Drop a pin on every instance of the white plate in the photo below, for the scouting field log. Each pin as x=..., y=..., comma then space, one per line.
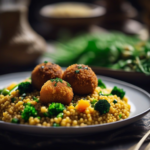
x=138, y=99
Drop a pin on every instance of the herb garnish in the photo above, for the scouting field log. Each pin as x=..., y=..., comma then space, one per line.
x=68, y=84
x=35, y=99
x=79, y=67
x=42, y=67
x=115, y=101
x=77, y=71
x=45, y=62
x=120, y=116
x=13, y=99
x=56, y=80
x=85, y=68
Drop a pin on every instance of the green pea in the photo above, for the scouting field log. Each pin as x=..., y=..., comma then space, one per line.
x=5, y=92
x=60, y=115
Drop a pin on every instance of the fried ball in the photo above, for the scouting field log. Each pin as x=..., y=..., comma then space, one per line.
x=44, y=72
x=56, y=90
x=82, y=79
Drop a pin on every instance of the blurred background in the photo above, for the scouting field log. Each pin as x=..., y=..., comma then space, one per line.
x=111, y=36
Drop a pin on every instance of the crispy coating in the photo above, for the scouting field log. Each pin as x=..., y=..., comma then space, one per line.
x=44, y=72
x=82, y=79
x=56, y=92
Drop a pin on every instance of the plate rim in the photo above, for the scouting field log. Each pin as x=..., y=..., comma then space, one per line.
x=89, y=126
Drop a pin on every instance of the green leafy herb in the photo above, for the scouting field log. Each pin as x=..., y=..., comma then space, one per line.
x=13, y=99
x=35, y=99
x=115, y=101
x=77, y=71
x=86, y=68
x=45, y=62
x=74, y=104
x=39, y=117
x=46, y=114
x=56, y=80
x=79, y=67
x=120, y=116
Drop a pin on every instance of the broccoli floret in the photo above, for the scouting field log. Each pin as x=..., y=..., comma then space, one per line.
x=28, y=111
x=55, y=108
x=102, y=106
x=24, y=87
x=101, y=84
x=60, y=115
x=117, y=91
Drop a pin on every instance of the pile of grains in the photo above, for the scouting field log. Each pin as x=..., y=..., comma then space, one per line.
x=12, y=107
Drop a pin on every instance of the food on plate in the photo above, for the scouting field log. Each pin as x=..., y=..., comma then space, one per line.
x=81, y=78
x=56, y=104
x=67, y=10
x=44, y=72
x=111, y=50
x=56, y=90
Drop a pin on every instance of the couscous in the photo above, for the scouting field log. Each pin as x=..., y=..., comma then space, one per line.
x=23, y=104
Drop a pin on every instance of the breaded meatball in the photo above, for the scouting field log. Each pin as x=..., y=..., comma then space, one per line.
x=44, y=72
x=56, y=90
x=82, y=79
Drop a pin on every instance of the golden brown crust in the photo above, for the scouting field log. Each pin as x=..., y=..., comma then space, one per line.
x=56, y=92
x=82, y=79
x=44, y=72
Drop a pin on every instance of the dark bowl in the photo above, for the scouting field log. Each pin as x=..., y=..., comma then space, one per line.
x=93, y=18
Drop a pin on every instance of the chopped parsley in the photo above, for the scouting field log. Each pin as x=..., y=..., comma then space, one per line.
x=120, y=115
x=56, y=80
x=68, y=84
x=77, y=71
x=46, y=114
x=13, y=99
x=38, y=117
x=85, y=68
x=115, y=101
x=35, y=99
x=74, y=104
x=79, y=67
